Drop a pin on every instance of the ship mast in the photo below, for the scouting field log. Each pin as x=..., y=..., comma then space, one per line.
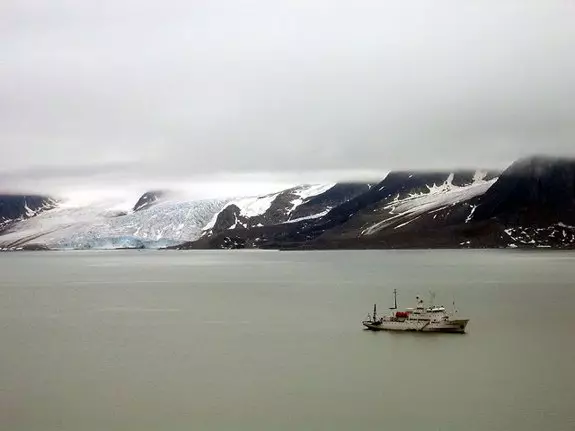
x=394, y=300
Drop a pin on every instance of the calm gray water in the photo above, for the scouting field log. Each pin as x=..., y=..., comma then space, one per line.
x=149, y=340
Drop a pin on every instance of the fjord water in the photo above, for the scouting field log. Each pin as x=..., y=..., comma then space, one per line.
x=148, y=340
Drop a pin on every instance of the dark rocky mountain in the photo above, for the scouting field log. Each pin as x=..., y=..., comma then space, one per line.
x=530, y=204
x=533, y=192
x=148, y=199
x=14, y=207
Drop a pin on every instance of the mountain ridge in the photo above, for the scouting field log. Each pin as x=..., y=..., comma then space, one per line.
x=530, y=204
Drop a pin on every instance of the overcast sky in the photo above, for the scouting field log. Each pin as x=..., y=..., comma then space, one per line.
x=142, y=93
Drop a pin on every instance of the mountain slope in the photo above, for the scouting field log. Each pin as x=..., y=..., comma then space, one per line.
x=534, y=203
x=14, y=208
x=538, y=190
x=403, y=196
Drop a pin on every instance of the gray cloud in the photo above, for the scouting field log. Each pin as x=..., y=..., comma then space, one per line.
x=152, y=92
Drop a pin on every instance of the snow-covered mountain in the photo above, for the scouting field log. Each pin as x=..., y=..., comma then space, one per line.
x=111, y=223
x=530, y=204
x=398, y=200
x=401, y=212
x=305, y=202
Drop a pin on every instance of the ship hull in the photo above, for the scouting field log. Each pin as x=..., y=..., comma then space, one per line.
x=452, y=326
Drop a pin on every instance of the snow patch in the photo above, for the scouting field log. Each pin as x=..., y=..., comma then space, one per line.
x=310, y=217
x=304, y=193
x=252, y=207
x=470, y=216
x=406, y=223
x=479, y=176
x=29, y=212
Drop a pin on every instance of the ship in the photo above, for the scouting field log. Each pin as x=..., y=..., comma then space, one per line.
x=422, y=318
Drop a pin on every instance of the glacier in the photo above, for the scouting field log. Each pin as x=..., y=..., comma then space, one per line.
x=105, y=225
